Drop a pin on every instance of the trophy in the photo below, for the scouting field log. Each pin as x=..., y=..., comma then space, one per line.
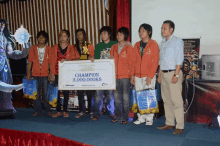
x=85, y=51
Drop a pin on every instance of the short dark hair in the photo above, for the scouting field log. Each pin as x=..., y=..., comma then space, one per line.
x=107, y=29
x=172, y=25
x=148, y=28
x=124, y=31
x=44, y=34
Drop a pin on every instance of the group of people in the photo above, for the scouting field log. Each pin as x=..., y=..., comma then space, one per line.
x=140, y=61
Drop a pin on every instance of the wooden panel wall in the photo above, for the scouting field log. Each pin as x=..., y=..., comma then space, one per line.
x=55, y=15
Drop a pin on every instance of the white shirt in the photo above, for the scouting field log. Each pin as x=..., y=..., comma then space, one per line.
x=41, y=52
x=171, y=53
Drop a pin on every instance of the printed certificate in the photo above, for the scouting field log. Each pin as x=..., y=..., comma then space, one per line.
x=87, y=75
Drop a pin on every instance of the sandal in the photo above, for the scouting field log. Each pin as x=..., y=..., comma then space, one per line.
x=112, y=117
x=57, y=114
x=124, y=122
x=114, y=121
x=95, y=118
x=36, y=114
x=65, y=115
x=79, y=115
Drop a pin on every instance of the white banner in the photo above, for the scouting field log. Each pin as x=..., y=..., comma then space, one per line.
x=87, y=75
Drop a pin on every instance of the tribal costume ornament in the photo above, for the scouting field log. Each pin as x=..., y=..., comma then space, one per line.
x=21, y=35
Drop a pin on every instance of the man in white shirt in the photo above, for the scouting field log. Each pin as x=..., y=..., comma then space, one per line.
x=171, y=77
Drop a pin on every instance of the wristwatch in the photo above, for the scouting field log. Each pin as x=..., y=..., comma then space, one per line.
x=176, y=75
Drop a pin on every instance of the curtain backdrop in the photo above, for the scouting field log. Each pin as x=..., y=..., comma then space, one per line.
x=123, y=14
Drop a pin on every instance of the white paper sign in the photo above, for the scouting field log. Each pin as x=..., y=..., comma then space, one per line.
x=87, y=75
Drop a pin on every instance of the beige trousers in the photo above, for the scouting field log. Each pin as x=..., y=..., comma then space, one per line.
x=172, y=98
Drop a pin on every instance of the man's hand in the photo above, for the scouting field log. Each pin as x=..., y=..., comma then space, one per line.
x=51, y=77
x=112, y=57
x=91, y=59
x=132, y=80
x=63, y=60
x=159, y=79
x=28, y=77
x=174, y=80
x=148, y=81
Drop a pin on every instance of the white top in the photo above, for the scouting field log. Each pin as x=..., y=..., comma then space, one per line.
x=121, y=47
x=41, y=52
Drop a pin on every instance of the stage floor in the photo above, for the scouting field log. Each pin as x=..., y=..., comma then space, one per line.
x=105, y=133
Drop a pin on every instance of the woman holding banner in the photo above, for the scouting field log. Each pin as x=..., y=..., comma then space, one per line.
x=86, y=51
x=146, y=54
x=62, y=52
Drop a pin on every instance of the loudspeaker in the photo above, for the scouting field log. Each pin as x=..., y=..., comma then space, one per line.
x=211, y=67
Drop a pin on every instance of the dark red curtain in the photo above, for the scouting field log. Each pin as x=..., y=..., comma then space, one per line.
x=123, y=14
x=23, y=138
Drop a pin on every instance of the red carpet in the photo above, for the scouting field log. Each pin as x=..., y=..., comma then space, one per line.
x=23, y=138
